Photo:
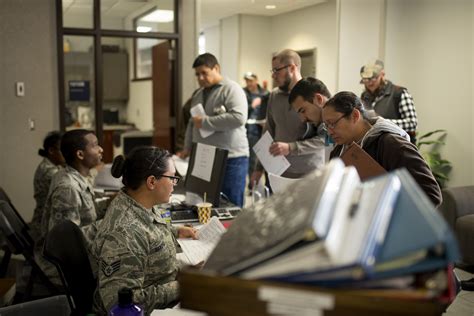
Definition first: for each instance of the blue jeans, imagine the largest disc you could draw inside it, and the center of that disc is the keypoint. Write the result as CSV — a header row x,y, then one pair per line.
x,y
234,179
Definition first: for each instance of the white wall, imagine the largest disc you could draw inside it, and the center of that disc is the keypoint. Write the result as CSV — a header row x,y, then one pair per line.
x,y
139,108
189,47
308,28
359,39
28,54
428,51
230,47
255,47
213,40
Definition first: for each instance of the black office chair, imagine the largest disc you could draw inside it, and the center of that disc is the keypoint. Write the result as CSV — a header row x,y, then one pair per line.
x,y
19,242
19,225
65,248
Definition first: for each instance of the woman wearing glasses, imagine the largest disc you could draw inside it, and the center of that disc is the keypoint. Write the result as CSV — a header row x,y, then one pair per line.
x,y
347,121
134,246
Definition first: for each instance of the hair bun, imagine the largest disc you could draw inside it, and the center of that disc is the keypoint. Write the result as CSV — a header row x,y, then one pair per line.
x,y
42,152
118,166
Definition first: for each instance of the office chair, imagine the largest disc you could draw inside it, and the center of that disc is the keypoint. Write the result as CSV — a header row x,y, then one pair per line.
x,y
19,243
65,248
19,224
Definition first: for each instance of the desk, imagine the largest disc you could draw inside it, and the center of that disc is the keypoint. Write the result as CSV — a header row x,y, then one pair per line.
x,y
224,296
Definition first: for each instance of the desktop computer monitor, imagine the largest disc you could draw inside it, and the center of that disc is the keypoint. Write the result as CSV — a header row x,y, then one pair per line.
x,y
134,139
196,185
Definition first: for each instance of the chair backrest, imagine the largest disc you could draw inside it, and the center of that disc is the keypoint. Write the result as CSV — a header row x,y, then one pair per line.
x,y
15,243
15,219
65,248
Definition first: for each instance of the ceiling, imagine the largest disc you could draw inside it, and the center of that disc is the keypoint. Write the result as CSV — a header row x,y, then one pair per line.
x,y
214,10
211,10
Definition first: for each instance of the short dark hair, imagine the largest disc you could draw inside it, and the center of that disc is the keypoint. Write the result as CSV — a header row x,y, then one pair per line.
x,y
345,102
306,88
140,163
205,59
71,142
53,139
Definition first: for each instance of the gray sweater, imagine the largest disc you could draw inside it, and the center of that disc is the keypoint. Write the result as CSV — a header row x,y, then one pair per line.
x,y
307,151
225,105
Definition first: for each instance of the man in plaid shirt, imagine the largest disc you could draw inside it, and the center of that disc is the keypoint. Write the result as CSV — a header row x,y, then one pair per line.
x,y
386,99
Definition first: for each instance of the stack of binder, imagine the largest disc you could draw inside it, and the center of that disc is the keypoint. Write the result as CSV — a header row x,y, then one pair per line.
x,y
332,230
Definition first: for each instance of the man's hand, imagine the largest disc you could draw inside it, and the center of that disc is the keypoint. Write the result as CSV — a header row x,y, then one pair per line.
x,y
187,232
256,102
279,148
255,177
197,121
183,154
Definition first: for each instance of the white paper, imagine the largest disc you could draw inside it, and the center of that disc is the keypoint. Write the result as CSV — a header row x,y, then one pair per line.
x,y
181,165
203,161
198,250
198,110
272,164
278,183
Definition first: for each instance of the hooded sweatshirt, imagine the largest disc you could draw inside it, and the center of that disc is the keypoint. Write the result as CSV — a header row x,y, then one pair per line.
x,y
390,146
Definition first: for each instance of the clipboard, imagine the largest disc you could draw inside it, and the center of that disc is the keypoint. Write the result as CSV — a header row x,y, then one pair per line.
x,y
366,166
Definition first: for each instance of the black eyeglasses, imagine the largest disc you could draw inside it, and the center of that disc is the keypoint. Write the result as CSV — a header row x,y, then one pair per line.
x,y
174,179
333,124
275,70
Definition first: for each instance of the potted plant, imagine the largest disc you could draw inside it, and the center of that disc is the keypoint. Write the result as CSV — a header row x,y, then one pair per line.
x,y
439,166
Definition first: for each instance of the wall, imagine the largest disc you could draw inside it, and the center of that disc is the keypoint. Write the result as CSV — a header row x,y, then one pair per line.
x,y
427,51
28,54
189,47
230,47
255,47
213,40
308,28
360,39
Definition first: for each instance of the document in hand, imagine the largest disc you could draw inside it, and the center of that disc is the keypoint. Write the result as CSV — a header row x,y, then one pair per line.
x,y
366,166
198,250
302,214
198,110
272,164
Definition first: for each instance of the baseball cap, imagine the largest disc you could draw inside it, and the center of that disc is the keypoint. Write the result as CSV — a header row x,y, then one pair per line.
x,y
371,69
250,75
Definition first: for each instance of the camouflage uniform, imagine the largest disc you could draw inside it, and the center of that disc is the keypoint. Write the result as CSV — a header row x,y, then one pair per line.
x,y
70,197
135,248
43,176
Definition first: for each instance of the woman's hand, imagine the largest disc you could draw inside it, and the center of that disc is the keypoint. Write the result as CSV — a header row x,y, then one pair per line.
x,y
187,232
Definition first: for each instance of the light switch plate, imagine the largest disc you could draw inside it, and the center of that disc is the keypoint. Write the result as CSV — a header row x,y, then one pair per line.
x,y
20,89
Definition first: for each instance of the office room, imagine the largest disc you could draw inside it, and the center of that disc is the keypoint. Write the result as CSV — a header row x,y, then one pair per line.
x,y
426,46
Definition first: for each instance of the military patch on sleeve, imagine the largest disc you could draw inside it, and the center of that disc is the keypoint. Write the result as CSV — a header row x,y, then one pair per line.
x,y
110,269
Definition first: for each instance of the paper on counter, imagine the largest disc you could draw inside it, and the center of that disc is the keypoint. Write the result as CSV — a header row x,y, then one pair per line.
x,y
272,164
198,110
198,250
278,183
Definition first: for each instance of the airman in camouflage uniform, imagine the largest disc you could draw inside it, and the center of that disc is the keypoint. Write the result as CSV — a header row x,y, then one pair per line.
x,y
70,197
135,248
42,180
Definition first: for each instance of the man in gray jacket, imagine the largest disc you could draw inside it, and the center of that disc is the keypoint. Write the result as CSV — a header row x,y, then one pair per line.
x,y
300,142
225,107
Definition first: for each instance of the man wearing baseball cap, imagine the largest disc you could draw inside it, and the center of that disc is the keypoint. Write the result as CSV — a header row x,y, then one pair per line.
x,y
257,98
387,99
